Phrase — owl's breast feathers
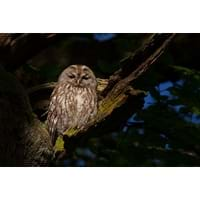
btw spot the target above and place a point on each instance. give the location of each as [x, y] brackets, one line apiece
[73, 101]
[72, 108]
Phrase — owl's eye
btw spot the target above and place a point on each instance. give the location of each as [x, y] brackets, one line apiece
[86, 77]
[71, 75]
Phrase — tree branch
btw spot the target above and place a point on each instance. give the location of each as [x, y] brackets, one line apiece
[25, 136]
[139, 61]
[116, 93]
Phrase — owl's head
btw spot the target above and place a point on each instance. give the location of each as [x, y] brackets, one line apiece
[78, 76]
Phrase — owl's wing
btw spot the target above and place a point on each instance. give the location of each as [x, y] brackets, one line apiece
[52, 117]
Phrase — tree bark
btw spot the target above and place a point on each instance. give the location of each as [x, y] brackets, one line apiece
[24, 141]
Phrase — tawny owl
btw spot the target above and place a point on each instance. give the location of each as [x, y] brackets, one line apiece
[73, 102]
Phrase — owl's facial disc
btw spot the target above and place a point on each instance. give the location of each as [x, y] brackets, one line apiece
[79, 76]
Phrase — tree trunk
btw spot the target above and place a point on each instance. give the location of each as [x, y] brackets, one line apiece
[23, 139]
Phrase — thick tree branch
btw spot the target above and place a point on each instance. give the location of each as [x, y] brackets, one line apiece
[135, 64]
[23, 138]
[116, 93]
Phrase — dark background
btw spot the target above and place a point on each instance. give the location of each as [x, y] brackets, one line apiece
[165, 130]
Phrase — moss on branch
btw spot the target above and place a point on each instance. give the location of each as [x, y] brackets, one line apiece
[115, 93]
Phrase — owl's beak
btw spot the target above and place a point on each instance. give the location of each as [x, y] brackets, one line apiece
[78, 82]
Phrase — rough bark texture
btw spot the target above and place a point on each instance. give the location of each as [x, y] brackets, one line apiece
[23, 139]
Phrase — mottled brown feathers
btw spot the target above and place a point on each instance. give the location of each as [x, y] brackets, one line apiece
[73, 101]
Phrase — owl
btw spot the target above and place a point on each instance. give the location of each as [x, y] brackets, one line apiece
[73, 102]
